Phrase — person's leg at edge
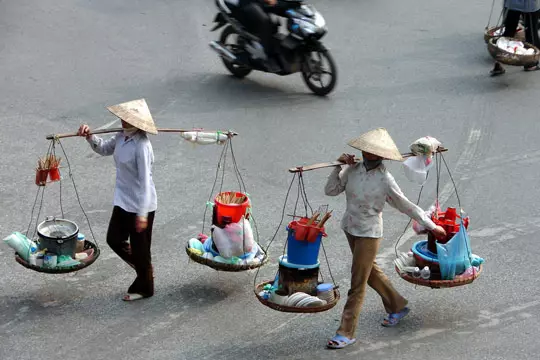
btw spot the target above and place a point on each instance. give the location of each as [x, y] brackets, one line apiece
[395, 305]
[531, 36]
[364, 252]
[511, 22]
[143, 286]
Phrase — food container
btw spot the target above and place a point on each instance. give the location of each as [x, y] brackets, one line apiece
[326, 292]
[50, 260]
[58, 236]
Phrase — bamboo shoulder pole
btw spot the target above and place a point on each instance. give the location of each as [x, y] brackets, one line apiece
[338, 163]
[164, 130]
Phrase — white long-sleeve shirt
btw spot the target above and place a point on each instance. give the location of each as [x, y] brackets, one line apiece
[135, 191]
[366, 193]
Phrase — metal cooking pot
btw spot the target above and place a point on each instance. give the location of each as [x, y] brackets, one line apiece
[59, 230]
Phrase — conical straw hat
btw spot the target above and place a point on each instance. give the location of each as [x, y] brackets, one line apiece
[135, 113]
[377, 142]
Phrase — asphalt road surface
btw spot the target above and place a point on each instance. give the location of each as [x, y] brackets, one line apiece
[415, 67]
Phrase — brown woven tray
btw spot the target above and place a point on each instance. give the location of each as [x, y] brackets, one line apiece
[439, 284]
[292, 309]
[488, 33]
[508, 58]
[224, 267]
[63, 270]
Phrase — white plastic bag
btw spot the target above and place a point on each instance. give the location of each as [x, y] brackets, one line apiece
[204, 138]
[426, 145]
[515, 47]
[416, 168]
[235, 239]
[21, 244]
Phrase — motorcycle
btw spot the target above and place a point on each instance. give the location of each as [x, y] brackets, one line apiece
[300, 49]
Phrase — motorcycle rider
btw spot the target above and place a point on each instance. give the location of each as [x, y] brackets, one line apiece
[254, 17]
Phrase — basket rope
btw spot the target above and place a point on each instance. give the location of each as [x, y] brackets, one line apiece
[439, 161]
[220, 172]
[301, 194]
[41, 190]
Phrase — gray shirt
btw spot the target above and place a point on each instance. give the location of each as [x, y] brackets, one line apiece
[135, 191]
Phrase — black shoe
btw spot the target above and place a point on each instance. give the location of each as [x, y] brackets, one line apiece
[497, 70]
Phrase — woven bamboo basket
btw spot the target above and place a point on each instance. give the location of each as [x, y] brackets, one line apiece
[440, 284]
[292, 309]
[63, 270]
[490, 33]
[509, 58]
[225, 267]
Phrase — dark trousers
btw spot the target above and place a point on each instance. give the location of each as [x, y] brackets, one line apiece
[136, 253]
[258, 22]
[531, 26]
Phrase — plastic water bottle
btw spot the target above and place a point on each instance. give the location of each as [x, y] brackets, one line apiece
[425, 273]
[79, 246]
[416, 273]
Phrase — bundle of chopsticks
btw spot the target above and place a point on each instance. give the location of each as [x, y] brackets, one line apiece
[314, 219]
[231, 198]
[48, 162]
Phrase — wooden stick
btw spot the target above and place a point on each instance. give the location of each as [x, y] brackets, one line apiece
[338, 163]
[106, 131]
[324, 219]
[313, 218]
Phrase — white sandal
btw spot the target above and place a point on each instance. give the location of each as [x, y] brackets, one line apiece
[132, 297]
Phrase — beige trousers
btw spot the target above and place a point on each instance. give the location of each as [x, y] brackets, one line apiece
[365, 271]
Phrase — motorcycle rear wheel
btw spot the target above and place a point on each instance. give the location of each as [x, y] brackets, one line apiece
[313, 71]
[236, 70]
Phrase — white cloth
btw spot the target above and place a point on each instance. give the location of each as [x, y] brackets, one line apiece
[135, 191]
[366, 193]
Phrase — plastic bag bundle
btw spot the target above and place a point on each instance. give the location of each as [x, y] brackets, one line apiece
[21, 244]
[426, 145]
[235, 239]
[204, 138]
[514, 47]
[455, 256]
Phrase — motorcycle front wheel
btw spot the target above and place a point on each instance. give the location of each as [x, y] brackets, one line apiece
[235, 47]
[319, 66]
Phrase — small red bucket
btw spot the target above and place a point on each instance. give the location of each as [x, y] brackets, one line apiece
[54, 174]
[235, 211]
[448, 220]
[41, 177]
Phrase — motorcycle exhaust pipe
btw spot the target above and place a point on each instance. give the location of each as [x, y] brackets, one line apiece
[222, 51]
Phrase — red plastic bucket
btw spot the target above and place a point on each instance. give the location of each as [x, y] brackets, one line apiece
[234, 211]
[450, 222]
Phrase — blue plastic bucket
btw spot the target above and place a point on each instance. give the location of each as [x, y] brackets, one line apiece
[420, 249]
[302, 252]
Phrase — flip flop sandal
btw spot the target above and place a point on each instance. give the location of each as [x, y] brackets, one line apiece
[133, 297]
[531, 68]
[339, 342]
[395, 318]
